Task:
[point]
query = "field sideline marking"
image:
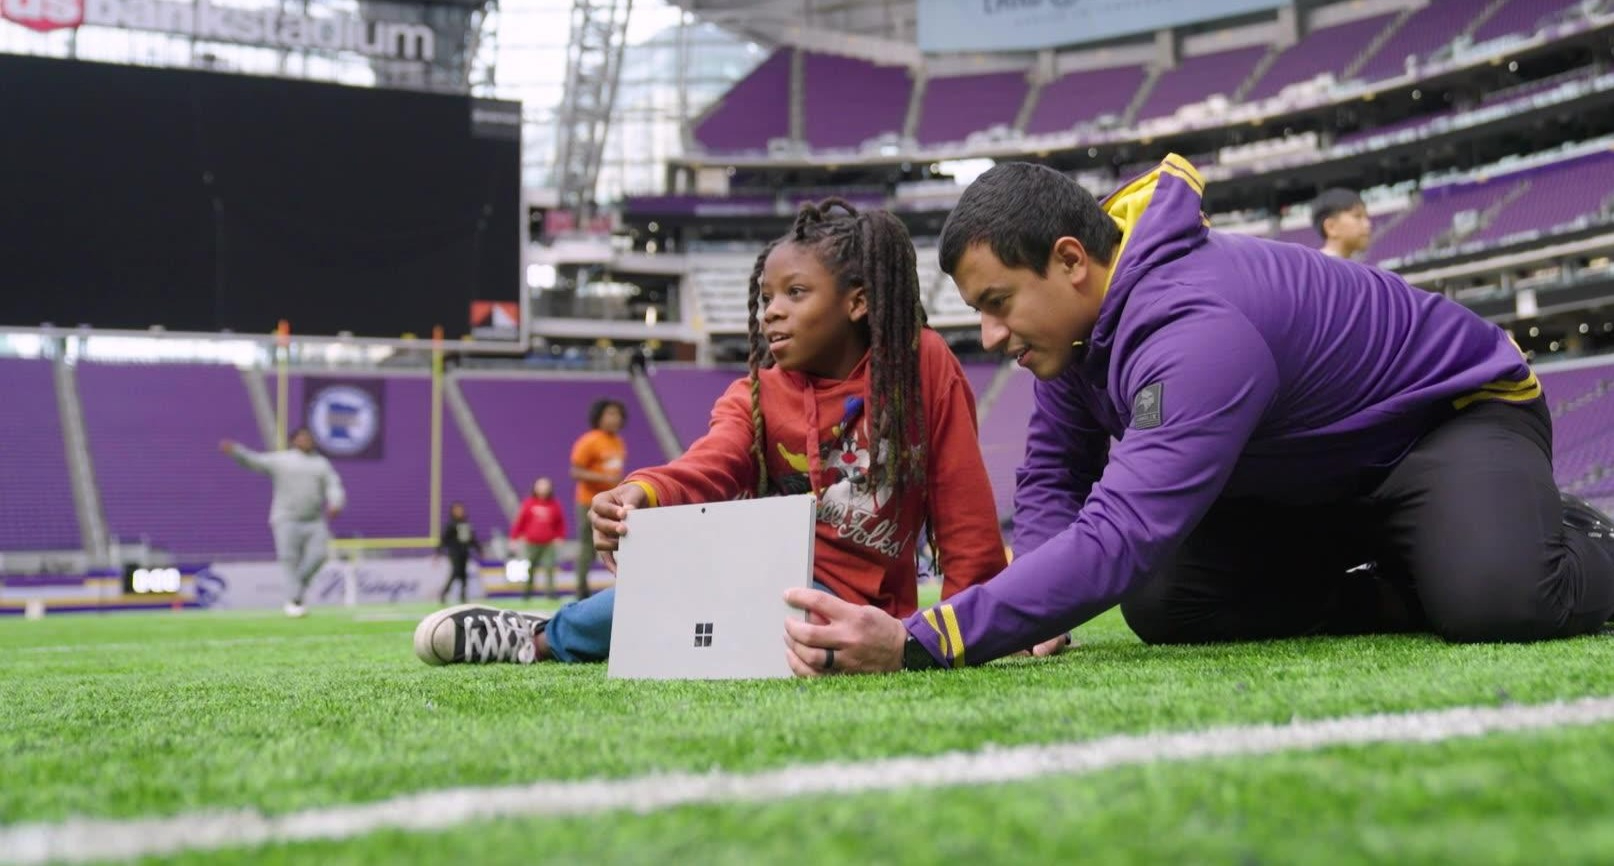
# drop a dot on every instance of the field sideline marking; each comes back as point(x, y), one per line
point(80, 840)
point(204, 642)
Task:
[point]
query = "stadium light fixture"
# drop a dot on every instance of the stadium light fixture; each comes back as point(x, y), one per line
point(541, 276)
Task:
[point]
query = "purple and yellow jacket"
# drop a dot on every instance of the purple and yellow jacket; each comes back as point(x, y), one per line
point(1222, 365)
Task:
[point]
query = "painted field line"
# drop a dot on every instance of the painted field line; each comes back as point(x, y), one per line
point(207, 643)
point(87, 839)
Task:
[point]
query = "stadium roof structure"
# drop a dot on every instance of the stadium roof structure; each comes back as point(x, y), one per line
point(795, 21)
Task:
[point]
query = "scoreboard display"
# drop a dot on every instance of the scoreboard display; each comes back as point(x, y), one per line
point(141, 580)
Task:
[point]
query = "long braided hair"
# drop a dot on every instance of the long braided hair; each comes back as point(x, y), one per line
point(872, 251)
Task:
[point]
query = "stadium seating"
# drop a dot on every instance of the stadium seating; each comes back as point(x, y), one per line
point(1327, 49)
point(1195, 79)
point(1433, 217)
point(1003, 437)
point(1082, 97)
point(719, 284)
point(1431, 27)
point(36, 502)
point(753, 111)
point(980, 376)
point(687, 396)
point(957, 106)
point(1557, 194)
point(531, 423)
point(153, 434)
point(849, 101)
point(1306, 236)
point(1521, 17)
point(1582, 402)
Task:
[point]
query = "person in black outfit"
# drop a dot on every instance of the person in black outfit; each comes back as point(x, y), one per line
point(458, 541)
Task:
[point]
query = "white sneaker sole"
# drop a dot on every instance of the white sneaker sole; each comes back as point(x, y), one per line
point(425, 646)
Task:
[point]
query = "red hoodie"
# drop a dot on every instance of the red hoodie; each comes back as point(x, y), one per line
point(867, 545)
point(541, 521)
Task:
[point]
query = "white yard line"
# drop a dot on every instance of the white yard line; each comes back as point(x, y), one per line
point(83, 840)
point(202, 643)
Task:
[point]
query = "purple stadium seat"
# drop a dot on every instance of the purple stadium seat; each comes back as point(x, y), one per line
point(754, 110)
point(1003, 437)
point(1433, 216)
point(36, 507)
point(955, 107)
point(1521, 16)
point(1329, 49)
point(1558, 194)
point(531, 423)
point(849, 101)
point(1305, 236)
point(1582, 401)
point(1428, 29)
point(687, 397)
point(1080, 97)
point(153, 433)
point(1197, 78)
point(980, 377)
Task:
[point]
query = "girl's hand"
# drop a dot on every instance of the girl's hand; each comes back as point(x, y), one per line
point(608, 515)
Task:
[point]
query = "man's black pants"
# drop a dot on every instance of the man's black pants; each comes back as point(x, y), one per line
point(1467, 534)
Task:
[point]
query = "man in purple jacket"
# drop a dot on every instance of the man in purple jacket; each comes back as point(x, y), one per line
point(1224, 429)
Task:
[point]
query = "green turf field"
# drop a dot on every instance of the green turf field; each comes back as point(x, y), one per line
point(146, 715)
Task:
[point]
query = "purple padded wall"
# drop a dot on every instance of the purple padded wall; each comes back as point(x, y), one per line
point(36, 496)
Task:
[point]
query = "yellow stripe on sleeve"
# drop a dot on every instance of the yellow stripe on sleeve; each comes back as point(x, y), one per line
point(1502, 389)
point(941, 636)
point(954, 636)
point(650, 492)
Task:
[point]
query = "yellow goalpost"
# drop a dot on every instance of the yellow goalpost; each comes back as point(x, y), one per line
point(434, 499)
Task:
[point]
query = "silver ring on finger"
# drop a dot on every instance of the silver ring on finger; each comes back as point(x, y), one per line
point(829, 660)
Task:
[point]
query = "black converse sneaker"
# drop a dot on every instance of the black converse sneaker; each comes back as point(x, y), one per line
point(476, 634)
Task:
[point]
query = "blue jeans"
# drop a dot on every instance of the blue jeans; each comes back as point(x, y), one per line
point(581, 631)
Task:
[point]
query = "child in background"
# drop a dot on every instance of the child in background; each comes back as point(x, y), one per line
point(538, 529)
point(598, 457)
point(458, 541)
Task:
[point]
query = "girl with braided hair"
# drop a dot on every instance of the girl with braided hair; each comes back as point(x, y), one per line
point(850, 397)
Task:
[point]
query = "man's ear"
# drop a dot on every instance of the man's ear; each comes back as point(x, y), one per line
point(857, 303)
point(1069, 260)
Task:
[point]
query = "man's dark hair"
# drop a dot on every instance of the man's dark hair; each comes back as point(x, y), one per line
point(1018, 210)
point(1331, 202)
point(596, 411)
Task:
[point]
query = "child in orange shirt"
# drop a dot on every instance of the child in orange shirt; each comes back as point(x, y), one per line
point(597, 460)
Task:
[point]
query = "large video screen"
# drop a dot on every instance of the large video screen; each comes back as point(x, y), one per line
point(133, 197)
